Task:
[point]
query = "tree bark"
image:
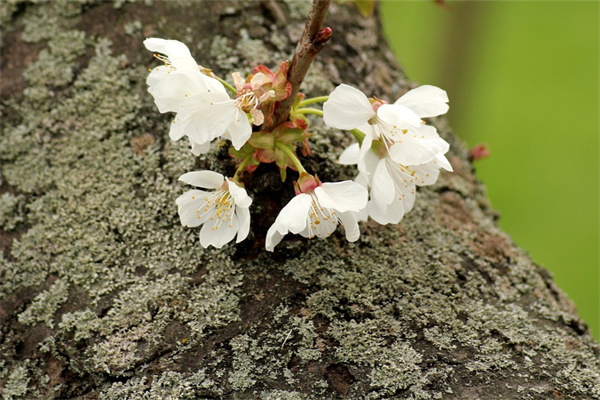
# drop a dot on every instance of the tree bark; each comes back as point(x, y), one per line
point(104, 295)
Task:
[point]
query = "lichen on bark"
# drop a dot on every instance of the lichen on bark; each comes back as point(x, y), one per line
point(104, 295)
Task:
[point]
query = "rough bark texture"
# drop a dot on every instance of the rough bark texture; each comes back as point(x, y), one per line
point(104, 295)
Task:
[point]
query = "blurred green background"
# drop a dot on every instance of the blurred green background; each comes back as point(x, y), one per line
point(523, 78)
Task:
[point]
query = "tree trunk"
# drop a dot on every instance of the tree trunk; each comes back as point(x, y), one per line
point(105, 295)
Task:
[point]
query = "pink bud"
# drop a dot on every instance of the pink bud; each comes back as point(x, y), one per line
point(478, 152)
point(322, 36)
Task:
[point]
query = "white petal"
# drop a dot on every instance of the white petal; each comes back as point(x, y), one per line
point(426, 101)
point(398, 116)
point(199, 148)
point(347, 108)
point(178, 53)
point(239, 195)
point(443, 162)
point(408, 201)
point(238, 81)
point(293, 217)
point(377, 213)
point(342, 196)
point(363, 179)
point(426, 174)
point(350, 155)
point(413, 152)
point(369, 164)
point(214, 85)
point(363, 215)
point(204, 117)
point(425, 132)
point(180, 56)
point(365, 148)
point(206, 179)
point(156, 44)
point(273, 238)
point(170, 93)
point(218, 235)
point(188, 205)
point(243, 215)
point(349, 220)
point(383, 189)
point(239, 130)
point(157, 74)
point(392, 214)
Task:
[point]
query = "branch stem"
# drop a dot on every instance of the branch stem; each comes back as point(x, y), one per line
point(241, 167)
point(358, 135)
point(313, 100)
point(227, 85)
point(314, 111)
point(291, 155)
point(311, 43)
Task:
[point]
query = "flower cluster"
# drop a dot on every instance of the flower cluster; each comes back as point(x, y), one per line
point(396, 149)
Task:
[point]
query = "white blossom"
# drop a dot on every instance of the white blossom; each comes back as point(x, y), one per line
point(318, 212)
point(180, 76)
point(204, 109)
point(223, 212)
point(392, 186)
point(398, 126)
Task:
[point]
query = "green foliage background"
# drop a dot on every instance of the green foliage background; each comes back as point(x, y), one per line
point(522, 77)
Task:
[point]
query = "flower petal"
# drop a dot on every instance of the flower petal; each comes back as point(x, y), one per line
point(425, 101)
point(383, 189)
point(347, 108)
point(178, 53)
point(363, 156)
point(240, 130)
point(391, 214)
point(199, 148)
point(205, 179)
point(170, 92)
point(426, 174)
point(293, 217)
point(413, 152)
point(218, 235)
point(350, 222)
point(243, 215)
point(204, 117)
point(158, 74)
point(443, 162)
point(342, 196)
point(273, 238)
point(398, 116)
point(239, 194)
point(188, 205)
point(350, 155)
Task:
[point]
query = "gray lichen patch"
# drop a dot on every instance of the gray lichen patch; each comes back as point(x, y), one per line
point(11, 211)
point(169, 385)
point(17, 384)
point(88, 195)
point(45, 305)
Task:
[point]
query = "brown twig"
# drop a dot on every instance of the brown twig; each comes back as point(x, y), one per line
point(311, 43)
point(275, 11)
